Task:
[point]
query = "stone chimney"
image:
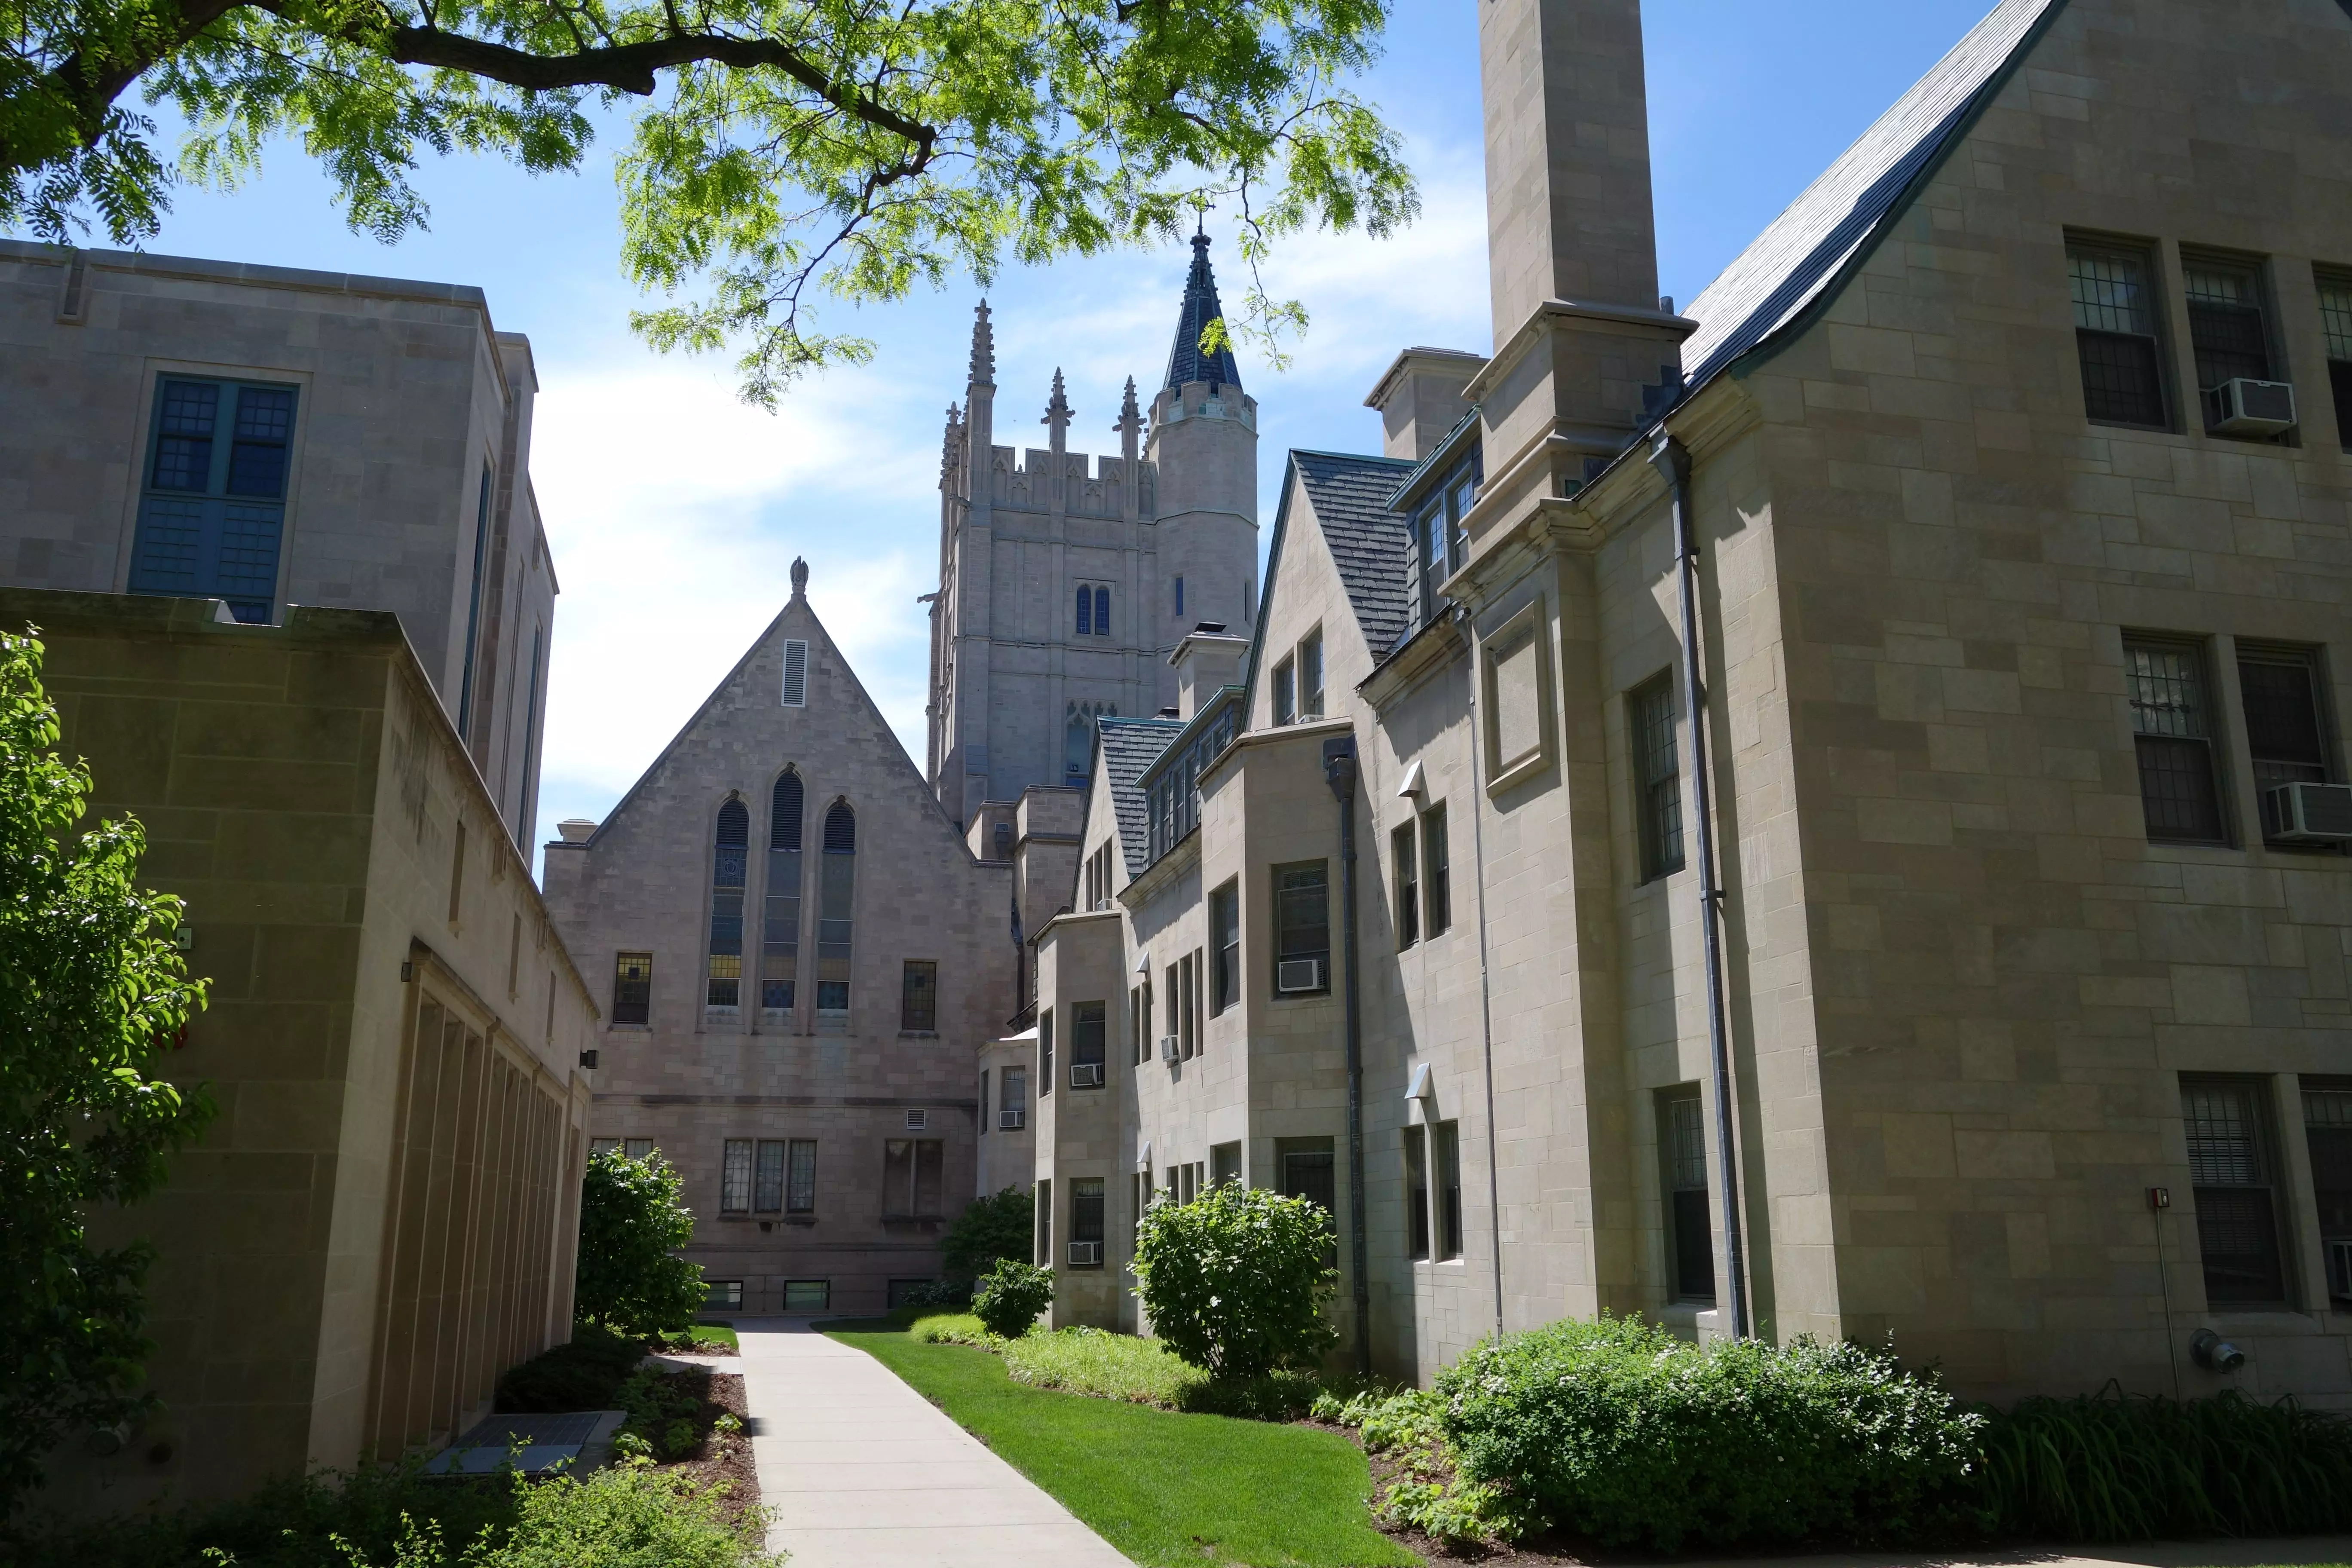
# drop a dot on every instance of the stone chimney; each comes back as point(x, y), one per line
point(1420, 399)
point(1571, 251)
point(1208, 658)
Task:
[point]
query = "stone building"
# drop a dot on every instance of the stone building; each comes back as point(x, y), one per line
point(272, 438)
point(383, 1215)
point(804, 960)
point(1063, 586)
point(1975, 972)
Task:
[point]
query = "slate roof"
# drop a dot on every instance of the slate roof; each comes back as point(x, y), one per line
point(1804, 250)
point(1185, 359)
point(1368, 541)
point(1129, 747)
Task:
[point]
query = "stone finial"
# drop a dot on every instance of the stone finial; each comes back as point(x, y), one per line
point(950, 445)
point(1057, 414)
point(1130, 422)
point(800, 578)
point(984, 349)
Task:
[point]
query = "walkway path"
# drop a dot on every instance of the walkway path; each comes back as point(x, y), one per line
point(864, 1472)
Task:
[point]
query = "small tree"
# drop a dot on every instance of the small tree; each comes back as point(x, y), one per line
point(1236, 1280)
point(631, 1223)
point(1011, 1295)
point(92, 992)
point(993, 1225)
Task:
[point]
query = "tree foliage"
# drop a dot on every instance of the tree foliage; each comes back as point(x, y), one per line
point(777, 147)
point(1236, 1280)
point(633, 1218)
point(992, 1226)
point(92, 992)
point(1011, 1295)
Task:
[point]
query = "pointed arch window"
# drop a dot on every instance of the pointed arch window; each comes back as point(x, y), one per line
point(780, 925)
point(1078, 740)
point(837, 893)
point(724, 984)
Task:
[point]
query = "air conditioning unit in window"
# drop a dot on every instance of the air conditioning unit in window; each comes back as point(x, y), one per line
point(1299, 974)
point(1167, 1045)
point(2243, 407)
point(1012, 1121)
point(1085, 1255)
point(1086, 1075)
point(2312, 813)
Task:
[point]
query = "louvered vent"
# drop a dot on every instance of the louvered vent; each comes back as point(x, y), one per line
point(795, 673)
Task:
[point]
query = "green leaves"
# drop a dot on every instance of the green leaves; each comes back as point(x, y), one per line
point(992, 1226)
point(92, 992)
point(633, 1218)
point(1235, 1281)
point(786, 150)
point(1011, 1295)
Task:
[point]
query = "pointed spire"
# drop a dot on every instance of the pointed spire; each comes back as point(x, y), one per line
point(1186, 362)
point(951, 445)
point(1057, 414)
point(1130, 422)
point(984, 349)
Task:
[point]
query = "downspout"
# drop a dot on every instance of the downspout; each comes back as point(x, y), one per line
point(1340, 772)
point(1485, 999)
point(1672, 461)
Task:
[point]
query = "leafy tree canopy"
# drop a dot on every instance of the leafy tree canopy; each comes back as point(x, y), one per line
point(992, 1226)
point(92, 992)
point(633, 1218)
point(779, 147)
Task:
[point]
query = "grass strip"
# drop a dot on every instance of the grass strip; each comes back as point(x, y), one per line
point(1167, 1489)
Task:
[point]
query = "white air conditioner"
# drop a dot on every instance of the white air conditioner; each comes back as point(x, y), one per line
point(1085, 1255)
point(2312, 813)
point(2243, 407)
point(1299, 974)
point(1012, 1121)
point(1086, 1075)
point(1167, 1048)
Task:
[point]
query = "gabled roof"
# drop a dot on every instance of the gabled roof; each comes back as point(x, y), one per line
point(1129, 747)
point(1833, 226)
point(1185, 360)
point(1368, 541)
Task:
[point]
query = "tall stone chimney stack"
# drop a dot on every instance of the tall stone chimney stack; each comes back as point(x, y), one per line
point(1572, 245)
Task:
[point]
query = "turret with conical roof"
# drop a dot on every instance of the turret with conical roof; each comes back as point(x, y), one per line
point(1204, 444)
point(1187, 360)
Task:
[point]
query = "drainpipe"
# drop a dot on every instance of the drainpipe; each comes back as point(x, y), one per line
point(1672, 461)
point(1340, 772)
point(1485, 1002)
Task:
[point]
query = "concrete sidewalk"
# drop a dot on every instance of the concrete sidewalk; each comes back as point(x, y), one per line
point(864, 1472)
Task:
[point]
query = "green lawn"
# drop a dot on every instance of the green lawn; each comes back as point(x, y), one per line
point(1162, 1488)
point(718, 1337)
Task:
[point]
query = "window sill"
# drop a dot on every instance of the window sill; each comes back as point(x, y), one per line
point(919, 1034)
point(628, 1028)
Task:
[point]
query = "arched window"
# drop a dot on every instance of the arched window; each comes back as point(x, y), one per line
point(836, 888)
point(1086, 627)
point(1078, 750)
point(725, 983)
point(779, 930)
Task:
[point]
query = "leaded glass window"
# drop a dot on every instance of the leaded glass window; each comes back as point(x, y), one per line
point(2115, 337)
point(729, 855)
point(2171, 732)
point(780, 926)
point(837, 893)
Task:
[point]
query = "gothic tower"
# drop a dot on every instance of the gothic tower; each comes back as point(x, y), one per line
point(1066, 581)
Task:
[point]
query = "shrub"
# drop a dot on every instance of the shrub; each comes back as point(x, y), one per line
point(952, 1328)
point(1011, 1295)
point(2109, 1467)
point(1235, 1281)
point(993, 1225)
point(955, 1293)
point(1618, 1430)
point(585, 1375)
point(631, 1219)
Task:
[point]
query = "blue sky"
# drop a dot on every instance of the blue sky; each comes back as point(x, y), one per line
point(674, 513)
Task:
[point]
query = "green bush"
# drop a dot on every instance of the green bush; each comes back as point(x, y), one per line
point(951, 1329)
point(632, 1219)
point(992, 1226)
point(1011, 1295)
point(1235, 1281)
point(2109, 1467)
point(585, 1375)
point(1618, 1430)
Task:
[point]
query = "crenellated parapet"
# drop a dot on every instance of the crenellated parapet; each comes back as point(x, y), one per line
point(1023, 481)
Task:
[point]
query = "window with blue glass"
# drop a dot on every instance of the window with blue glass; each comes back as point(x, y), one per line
point(212, 505)
point(1093, 618)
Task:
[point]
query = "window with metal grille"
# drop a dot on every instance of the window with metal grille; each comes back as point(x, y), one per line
point(794, 693)
point(1087, 1212)
point(2226, 328)
point(1302, 927)
point(723, 989)
point(2327, 1130)
point(212, 508)
point(2230, 1170)
point(633, 987)
point(1226, 927)
point(2285, 739)
point(912, 1177)
point(2115, 336)
point(800, 1185)
point(836, 896)
point(1657, 776)
point(2171, 732)
point(735, 1177)
point(2336, 337)
point(780, 924)
point(1682, 1151)
point(767, 1177)
point(1436, 874)
point(1446, 1143)
point(919, 996)
point(1417, 1193)
point(1089, 1038)
point(1404, 861)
